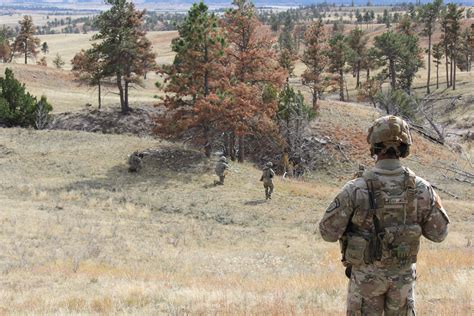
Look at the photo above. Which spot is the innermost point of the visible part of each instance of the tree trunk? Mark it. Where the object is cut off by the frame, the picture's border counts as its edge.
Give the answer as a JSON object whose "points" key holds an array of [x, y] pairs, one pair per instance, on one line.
{"points": [[120, 87], [26, 52], [315, 101], [429, 65], [241, 149], [208, 144], [454, 73], [446, 65], [393, 82], [127, 108], [99, 94], [341, 84], [358, 75], [368, 74], [232, 145], [437, 76], [451, 70]]}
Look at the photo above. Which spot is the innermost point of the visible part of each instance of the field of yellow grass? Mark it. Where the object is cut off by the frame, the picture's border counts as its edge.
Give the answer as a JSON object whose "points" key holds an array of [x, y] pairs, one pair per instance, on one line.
{"points": [[82, 235]]}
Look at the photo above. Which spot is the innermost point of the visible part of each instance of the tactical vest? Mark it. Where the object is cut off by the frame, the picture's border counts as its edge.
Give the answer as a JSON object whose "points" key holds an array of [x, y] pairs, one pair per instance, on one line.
{"points": [[386, 230]]}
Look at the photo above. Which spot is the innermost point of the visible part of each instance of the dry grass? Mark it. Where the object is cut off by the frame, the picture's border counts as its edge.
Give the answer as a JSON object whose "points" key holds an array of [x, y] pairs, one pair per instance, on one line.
{"points": [[82, 235]]}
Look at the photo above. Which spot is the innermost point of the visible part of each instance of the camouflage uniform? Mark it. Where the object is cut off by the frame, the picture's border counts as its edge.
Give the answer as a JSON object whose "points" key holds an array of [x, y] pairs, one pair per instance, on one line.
{"points": [[221, 170], [135, 162], [379, 219], [267, 178]]}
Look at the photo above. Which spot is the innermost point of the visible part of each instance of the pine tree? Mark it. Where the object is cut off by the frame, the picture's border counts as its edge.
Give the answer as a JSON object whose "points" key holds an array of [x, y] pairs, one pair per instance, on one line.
{"points": [[438, 53], [250, 102], [26, 43], [287, 46], [465, 51], [88, 68], [44, 48], [358, 44], [196, 75], [429, 14], [58, 62], [453, 17], [122, 44], [338, 54], [401, 55], [315, 60]]}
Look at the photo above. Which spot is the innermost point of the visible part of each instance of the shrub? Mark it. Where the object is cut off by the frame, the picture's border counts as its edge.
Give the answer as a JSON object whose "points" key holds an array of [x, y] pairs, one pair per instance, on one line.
{"points": [[17, 106]]}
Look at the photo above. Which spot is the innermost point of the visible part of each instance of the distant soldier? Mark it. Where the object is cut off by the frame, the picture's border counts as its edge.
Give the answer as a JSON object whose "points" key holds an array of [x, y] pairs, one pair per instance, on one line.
{"points": [[379, 219], [135, 162], [267, 178], [221, 170]]}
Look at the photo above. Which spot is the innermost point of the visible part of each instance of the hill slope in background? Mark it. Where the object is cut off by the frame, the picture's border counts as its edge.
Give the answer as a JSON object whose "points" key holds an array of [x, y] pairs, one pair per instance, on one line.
{"points": [[81, 234]]}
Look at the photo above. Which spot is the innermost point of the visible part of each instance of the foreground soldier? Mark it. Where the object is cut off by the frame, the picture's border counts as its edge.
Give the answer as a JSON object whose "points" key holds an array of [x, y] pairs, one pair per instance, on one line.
{"points": [[221, 170], [267, 178], [379, 219]]}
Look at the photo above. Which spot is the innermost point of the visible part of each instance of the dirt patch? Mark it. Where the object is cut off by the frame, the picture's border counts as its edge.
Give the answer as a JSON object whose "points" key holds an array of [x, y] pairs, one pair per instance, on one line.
{"points": [[140, 121]]}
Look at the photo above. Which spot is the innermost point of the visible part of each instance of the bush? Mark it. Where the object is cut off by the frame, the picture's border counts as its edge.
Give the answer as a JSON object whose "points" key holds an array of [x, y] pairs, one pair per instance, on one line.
{"points": [[18, 107]]}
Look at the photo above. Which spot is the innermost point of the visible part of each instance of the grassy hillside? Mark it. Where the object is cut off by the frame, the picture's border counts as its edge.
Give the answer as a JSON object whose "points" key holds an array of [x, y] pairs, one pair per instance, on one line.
{"points": [[81, 234]]}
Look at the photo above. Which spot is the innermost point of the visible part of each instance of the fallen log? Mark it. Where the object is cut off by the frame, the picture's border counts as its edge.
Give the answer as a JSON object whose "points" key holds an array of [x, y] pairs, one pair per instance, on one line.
{"points": [[444, 191]]}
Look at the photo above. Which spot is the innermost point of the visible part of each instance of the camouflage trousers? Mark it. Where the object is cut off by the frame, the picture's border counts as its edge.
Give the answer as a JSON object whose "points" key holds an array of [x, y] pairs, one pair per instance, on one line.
{"points": [[268, 189], [381, 291]]}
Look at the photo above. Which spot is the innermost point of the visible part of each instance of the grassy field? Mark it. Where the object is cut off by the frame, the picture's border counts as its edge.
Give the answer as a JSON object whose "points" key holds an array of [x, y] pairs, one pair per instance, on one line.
{"points": [[82, 235]]}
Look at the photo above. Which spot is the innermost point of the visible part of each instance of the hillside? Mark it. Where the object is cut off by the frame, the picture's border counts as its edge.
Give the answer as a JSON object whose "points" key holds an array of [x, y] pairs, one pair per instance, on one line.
{"points": [[81, 234]]}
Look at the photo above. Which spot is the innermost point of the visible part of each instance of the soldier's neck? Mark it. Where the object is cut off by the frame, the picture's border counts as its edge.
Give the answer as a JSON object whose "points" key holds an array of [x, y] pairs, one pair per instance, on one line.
{"points": [[388, 163]]}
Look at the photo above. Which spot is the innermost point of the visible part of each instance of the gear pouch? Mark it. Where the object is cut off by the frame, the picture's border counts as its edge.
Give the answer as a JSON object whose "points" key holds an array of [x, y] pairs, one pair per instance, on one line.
{"points": [[401, 243], [356, 249]]}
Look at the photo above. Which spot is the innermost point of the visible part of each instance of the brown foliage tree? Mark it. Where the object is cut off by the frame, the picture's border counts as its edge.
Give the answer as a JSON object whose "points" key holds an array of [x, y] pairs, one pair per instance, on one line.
{"points": [[26, 43], [251, 99]]}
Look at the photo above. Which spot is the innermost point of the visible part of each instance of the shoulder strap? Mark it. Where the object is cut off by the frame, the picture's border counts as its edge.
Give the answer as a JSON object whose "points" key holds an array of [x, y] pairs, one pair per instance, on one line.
{"points": [[410, 187], [373, 186]]}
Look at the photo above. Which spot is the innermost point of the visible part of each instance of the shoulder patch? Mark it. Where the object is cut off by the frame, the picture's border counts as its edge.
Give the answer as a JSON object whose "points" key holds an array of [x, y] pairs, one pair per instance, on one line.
{"points": [[334, 205]]}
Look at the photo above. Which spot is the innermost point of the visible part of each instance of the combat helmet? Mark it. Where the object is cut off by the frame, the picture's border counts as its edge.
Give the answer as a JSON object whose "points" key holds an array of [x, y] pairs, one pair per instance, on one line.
{"points": [[392, 131], [223, 159], [269, 164]]}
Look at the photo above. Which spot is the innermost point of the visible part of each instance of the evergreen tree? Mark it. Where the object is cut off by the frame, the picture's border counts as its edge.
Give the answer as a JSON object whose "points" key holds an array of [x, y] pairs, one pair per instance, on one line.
{"points": [[196, 74], [17, 106], [293, 115], [438, 53], [26, 43], [465, 51], [429, 14], [88, 68], [401, 55], [58, 62], [453, 18], [287, 46], [358, 44], [122, 44], [338, 54], [250, 102], [44, 48], [315, 60], [5, 49]]}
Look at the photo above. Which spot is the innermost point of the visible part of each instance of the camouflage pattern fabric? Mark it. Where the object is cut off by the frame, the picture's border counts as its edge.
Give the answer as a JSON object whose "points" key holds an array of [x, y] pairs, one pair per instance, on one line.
{"points": [[221, 170], [383, 284], [374, 290], [267, 178], [134, 162]]}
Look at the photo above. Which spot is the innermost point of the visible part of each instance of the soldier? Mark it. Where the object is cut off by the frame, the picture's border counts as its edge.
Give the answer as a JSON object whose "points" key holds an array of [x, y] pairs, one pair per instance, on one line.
{"points": [[221, 170], [135, 162], [267, 178], [379, 219]]}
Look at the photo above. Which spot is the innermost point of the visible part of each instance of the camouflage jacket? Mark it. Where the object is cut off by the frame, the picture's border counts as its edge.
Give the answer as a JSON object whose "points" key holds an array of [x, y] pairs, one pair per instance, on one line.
{"points": [[221, 168], [267, 175], [349, 213]]}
